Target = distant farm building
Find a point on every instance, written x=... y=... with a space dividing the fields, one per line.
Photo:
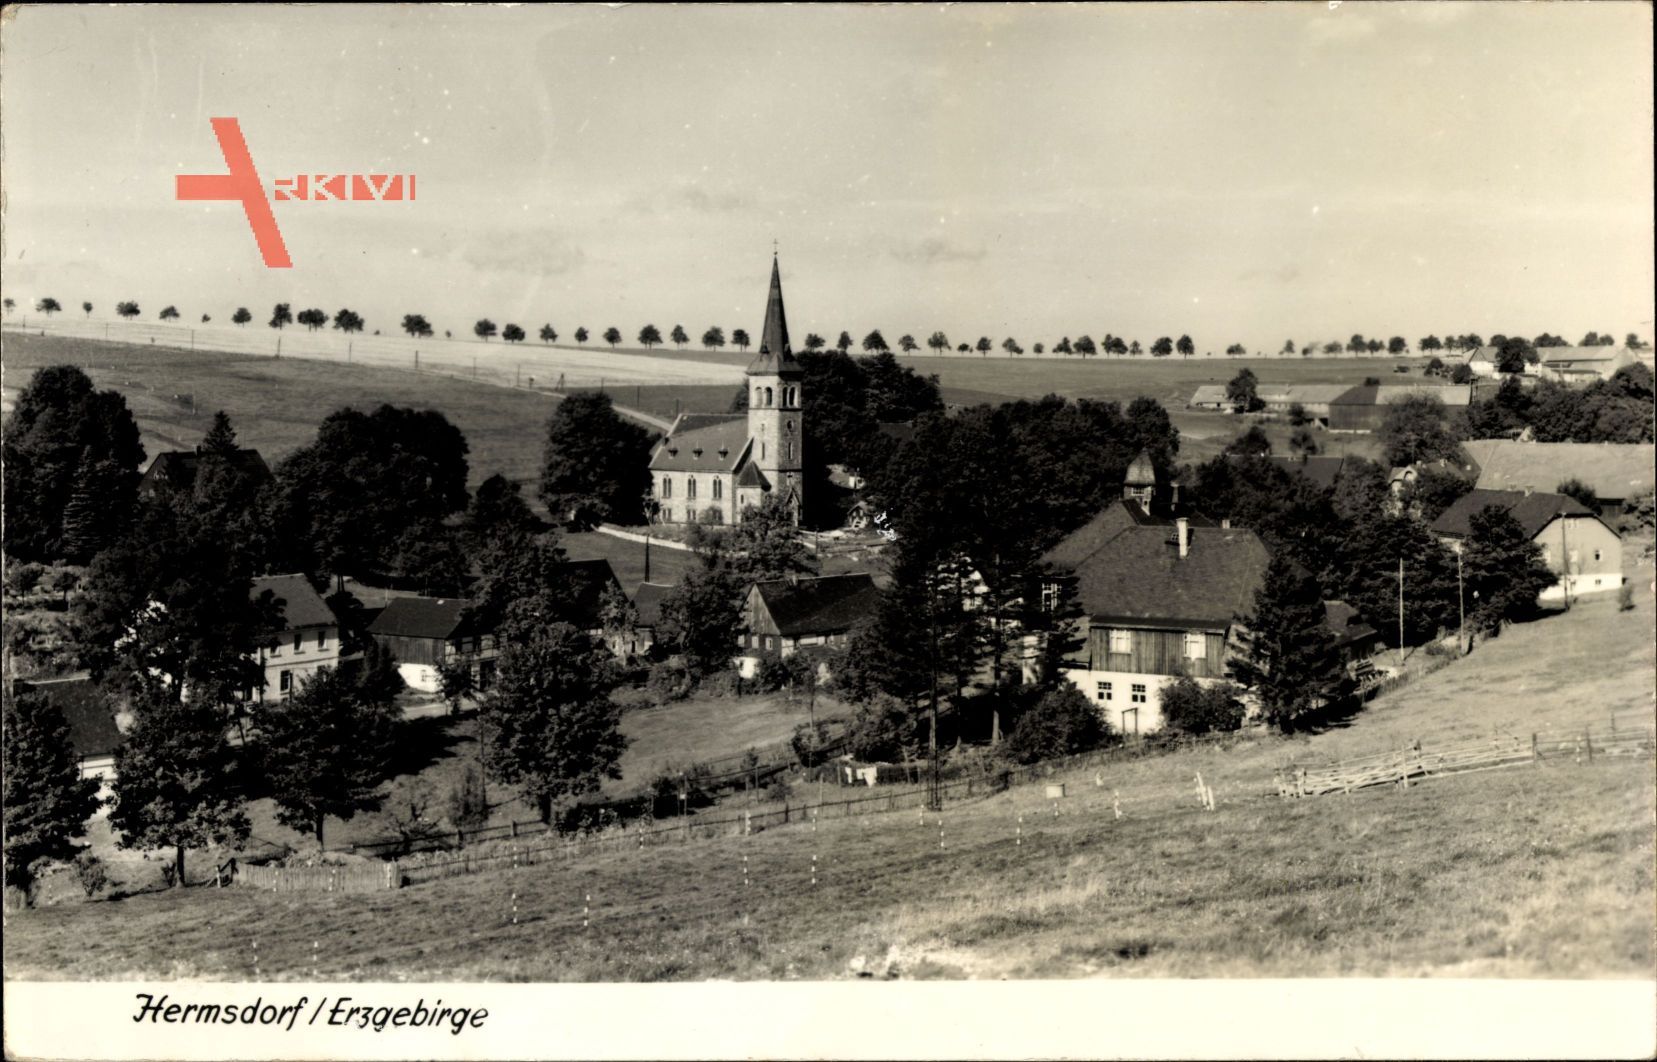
x=174 y=471
x=1364 y=408
x=1615 y=472
x=425 y=632
x=1209 y=396
x=1313 y=398
x=783 y=616
x=1581 y=366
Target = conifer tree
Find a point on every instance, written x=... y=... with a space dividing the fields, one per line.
x=47 y=802
x=220 y=438
x=326 y=749
x=1288 y=660
x=1502 y=569
x=176 y=782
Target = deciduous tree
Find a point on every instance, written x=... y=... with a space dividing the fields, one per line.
x=595 y=465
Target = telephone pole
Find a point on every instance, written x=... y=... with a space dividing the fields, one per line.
x=1400 y=611
x=1461 y=604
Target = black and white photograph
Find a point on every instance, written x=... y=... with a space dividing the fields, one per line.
x=816 y=531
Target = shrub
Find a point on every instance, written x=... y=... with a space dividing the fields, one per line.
x=169 y=873
x=1625 y=598
x=468 y=801
x=23 y=578
x=807 y=743
x=669 y=681
x=693 y=781
x=1062 y=723
x=1192 y=707
x=60 y=579
x=883 y=731
x=90 y=872
x=773 y=674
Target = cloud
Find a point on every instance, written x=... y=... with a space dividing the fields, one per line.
x=692 y=198
x=538 y=252
x=934 y=251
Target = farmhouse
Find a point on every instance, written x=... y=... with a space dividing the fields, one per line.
x=174 y=471
x=1615 y=472
x=424 y=632
x=1576 y=544
x=1209 y=396
x=647 y=616
x=1322 y=471
x=1313 y=398
x=712 y=466
x=1364 y=407
x=590 y=588
x=1481 y=360
x=783 y=616
x=307 y=641
x=1581 y=366
x=94 y=730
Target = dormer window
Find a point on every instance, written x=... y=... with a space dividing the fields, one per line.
x=697 y=452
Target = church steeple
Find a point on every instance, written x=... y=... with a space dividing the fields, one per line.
x=775 y=357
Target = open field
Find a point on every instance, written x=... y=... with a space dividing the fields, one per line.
x=1530 y=872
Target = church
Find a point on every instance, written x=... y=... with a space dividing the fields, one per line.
x=712 y=466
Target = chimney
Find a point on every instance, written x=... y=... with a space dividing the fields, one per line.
x=1184 y=527
x=1529 y=489
x=1225 y=523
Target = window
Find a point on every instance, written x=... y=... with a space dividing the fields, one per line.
x=1104 y=691
x=1049 y=597
x=762 y=451
x=759 y=396
x=285 y=683
x=298 y=641
x=791 y=449
x=486 y=675
x=1598 y=556
x=321 y=639
x=1121 y=641
x=768 y=401
x=1138 y=693
x=690 y=488
x=718 y=488
x=1196 y=645
x=667 y=486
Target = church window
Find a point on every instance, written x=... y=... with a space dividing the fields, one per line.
x=690 y=488
x=759 y=396
x=788 y=426
x=762 y=451
x=768 y=396
x=791 y=450
x=718 y=488
x=667 y=486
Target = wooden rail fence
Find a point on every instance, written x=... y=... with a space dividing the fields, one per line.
x=366 y=877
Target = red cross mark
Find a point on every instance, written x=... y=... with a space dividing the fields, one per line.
x=241 y=183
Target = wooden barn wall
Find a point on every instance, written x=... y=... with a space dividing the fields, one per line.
x=1156 y=653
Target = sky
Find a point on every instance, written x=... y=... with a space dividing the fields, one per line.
x=1242 y=172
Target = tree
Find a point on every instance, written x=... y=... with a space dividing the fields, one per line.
x=1416 y=429
x=1162 y=348
x=1236 y=350
x=416 y=325
x=1435 y=366
x=1430 y=343
x=1582 y=492
x=312 y=318
x=679 y=336
x=47 y=802
x=612 y=336
x=512 y=334
x=713 y=338
x=1063 y=347
x=1251 y=443
x=813 y=341
x=1193 y=707
x=649 y=336
x=1037 y=348
x=48 y=306
x=128 y=310
x=1185 y=347
x=907 y=344
x=739 y=336
x=1288 y=347
x=242 y=316
x=483 y=329
x=874 y=343
x=205 y=318
x=325 y=750
x=1461 y=373
x=938 y=342
x=348 y=321
x=1084 y=346
x=549 y=724
x=1288 y=658
x=1062 y=723
x=86 y=308
x=984 y=345
x=700 y=614
x=1512 y=353
x=549 y=334
x=581 y=336
x=1243 y=392
x=1633 y=342
x=1397 y=345
x=1303 y=442
x=62 y=433
x=281 y=316
x=595 y=465
x=169 y=314
x=497 y=513
x=1503 y=570
x=220 y=438
x=766 y=543
x=1298 y=415
x=1010 y=345
x=10 y=304
x=176 y=779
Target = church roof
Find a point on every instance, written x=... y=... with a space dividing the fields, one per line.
x=703 y=442
x=752 y=477
x=775 y=357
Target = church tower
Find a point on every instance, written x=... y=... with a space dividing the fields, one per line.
x=776 y=428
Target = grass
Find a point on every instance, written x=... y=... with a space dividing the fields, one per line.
x=627 y=558
x=707 y=729
x=1532 y=872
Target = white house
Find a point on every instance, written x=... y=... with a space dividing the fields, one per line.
x=307 y=641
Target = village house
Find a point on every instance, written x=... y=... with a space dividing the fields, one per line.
x=1615 y=472
x=423 y=633
x=1581 y=366
x=1363 y=408
x=712 y=466
x=95 y=725
x=307 y=638
x=1576 y=544
x=1314 y=399
x=647 y=616
x=784 y=616
x=174 y=471
x=1481 y=361
x=1209 y=396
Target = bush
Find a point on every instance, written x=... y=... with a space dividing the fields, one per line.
x=1192 y=707
x=883 y=731
x=60 y=579
x=807 y=743
x=1062 y=723
x=669 y=681
x=90 y=872
x=1625 y=598
x=468 y=801
x=169 y=873
x=23 y=578
x=773 y=674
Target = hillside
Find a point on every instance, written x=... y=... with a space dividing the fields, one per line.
x=1528 y=872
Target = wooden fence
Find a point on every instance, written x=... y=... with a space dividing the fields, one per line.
x=366 y=877
x=1624 y=735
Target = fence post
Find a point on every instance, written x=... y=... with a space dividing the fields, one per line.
x=1588 y=740
x=1535 y=753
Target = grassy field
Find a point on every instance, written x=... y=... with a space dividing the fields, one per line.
x=1531 y=872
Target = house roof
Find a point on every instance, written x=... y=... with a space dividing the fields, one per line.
x=647 y=603
x=1118 y=516
x=775 y=357
x=1314 y=393
x=826 y=604
x=1137 y=578
x=588 y=581
x=1141 y=473
x=1533 y=511
x=420 y=617
x=301 y=606
x=1343 y=620
x=1208 y=393
x=1613 y=470
x=751 y=476
x=1322 y=471
x=177 y=468
x=1379 y=394
x=1568 y=355
x=703 y=442
x=87 y=710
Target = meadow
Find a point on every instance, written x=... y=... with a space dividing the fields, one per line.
x=1539 y=871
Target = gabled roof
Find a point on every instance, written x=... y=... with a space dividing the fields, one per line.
x=1141 y=472
x=1344 y=621
x=1601 y=354
x=1118 y=516
x=421 y=617
x=647 y=602
x=90 y=715
x=1612 y=470
x=1207 y=393
x=1380 y=394
x=1136 y=577
x=176 y=469
x=1533 y=511
x=703 y=442
x=751 y=476
x=775 y=357
x=1291 y=393
x=587 y=582
x=827 y=604
x=302 y=606
x=1322 y=471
